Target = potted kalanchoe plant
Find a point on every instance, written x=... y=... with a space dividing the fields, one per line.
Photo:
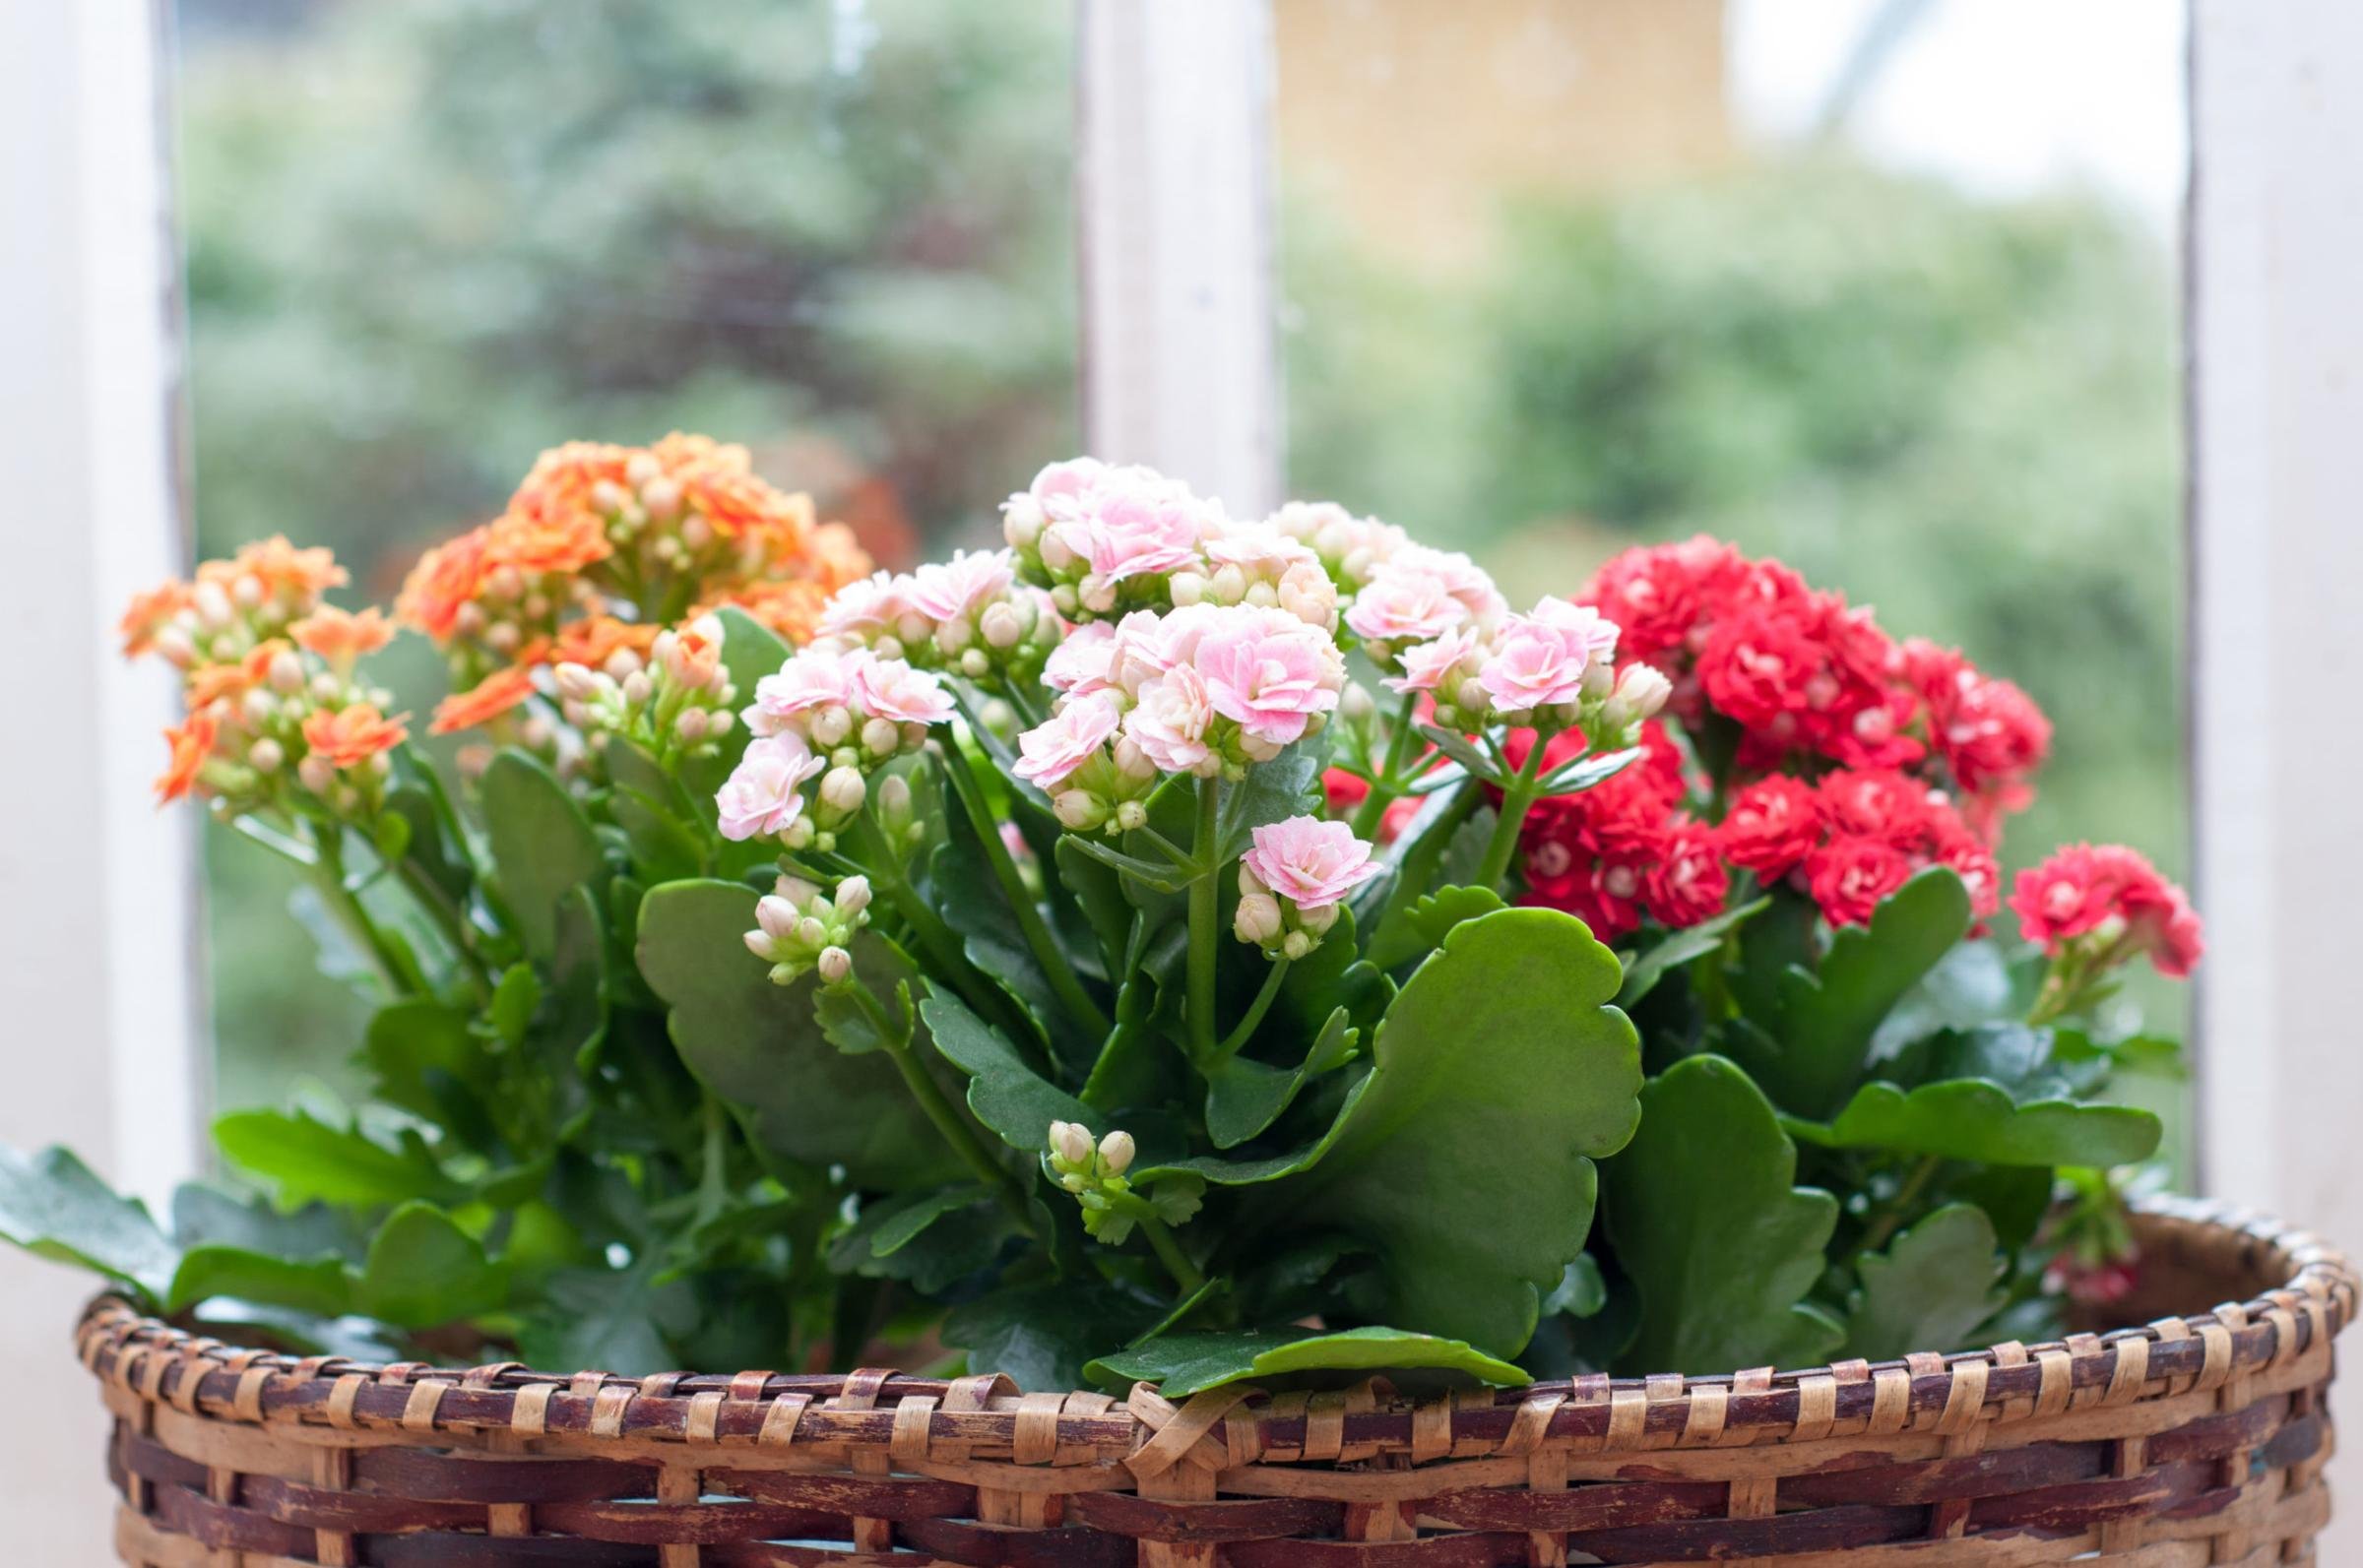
x=1167 y=947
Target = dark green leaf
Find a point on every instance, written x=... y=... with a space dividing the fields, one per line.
x=1005 y=1094
x=1043 y=1334
x=1244 y=1097
x=1932 y=1286
x=1828 y=1018
x=1971 y=1119
x=318 y=1285
x=305 y=1158
x=648 y=806
x=1183 y=1365
x=427 y=1060
x=204 y=1216
x=424 y=1270
x=609 y=1319
x=1099 y=893
x=543 y=845
x=1423 y=922
x=1271 y=791
x=514 y=999
x=1581 y=1291
x=1720 y=1245
x=933 y=1239
x=52 y=1205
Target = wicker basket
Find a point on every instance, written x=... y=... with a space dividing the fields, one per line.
x=2192 y=1440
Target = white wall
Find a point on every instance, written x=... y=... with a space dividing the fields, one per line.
x=2276 y=340
x=96 y=934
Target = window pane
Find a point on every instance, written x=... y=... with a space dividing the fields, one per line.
x=1886 y=287
x=427 y=241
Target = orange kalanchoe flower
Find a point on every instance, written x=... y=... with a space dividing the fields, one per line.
x=147 y=613
x=489 y=699
x=353 y=735
x=789 y=605
x=342 y=638
x=211 y=683
x=561 y=541
x=595 y=639
x=192 y=747
x=284 y=571
x=443 y=584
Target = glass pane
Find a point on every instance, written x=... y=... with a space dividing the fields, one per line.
x=1884 y=288
x=427 y=240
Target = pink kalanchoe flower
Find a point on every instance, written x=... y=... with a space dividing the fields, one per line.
x=1309 y=862
x=1406 y=603
x=888 y=688
x=1462 y=578
x=1540 y=660
x=1269 y=672
x=811 y=680
x=867 y=608
x=1169 y=723
x=959 y=588
x=764 y=793
x=1066 y=481
x=1136 y=523
x=1078 y=665
x=1066 y=740
x=1427 y=666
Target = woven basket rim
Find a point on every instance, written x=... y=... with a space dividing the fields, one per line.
x=895 y=1410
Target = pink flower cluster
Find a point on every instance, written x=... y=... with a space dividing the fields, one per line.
x=827 y=714
x=1625 y=848
x=1809 y=678
x=969 y=614
x=1854 y=838
x=1292 y=880
x=2113 y=896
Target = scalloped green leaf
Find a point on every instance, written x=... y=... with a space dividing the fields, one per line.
x=1829 y=1015
x=320 y=1285
x=1719 y=1242
x=56 y=1206
x=1183 y=1365
x=304 y=1158
x=543 y=845
x=757 y=1045
x=1932 y=1286
x=1977 y=1119
x=1043 y=1335
x=1244 y=1097
x=1465 y=1156
x=424 y=1270
x=1677 y=948
x=1005 y=1094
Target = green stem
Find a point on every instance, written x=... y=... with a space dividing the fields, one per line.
x=1899 y=1208
x=713 y=1188
x=1255 y=1011
x=328 y=871
x=1169 y=1252
x=1516 y=800
x=1388 y=785
x=946 y=954
x=1061 y=975
x=449 y=917
x=896 y=1036
x=1205 y=912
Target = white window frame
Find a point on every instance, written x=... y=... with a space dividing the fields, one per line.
x=1177 y=236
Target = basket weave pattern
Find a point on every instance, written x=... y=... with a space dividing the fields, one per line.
x=2191 y=1441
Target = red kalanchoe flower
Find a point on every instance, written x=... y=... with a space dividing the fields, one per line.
x=2114 y=892
x=1990 y=735
x=1658 y=594
x=1877 y=803
x=1771 y=825
x=1688 y=883
x=1967 y=855
x=1850 y=875
x=1755 y=668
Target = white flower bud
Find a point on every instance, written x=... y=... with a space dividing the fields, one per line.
x=1079 y=810
x=777 y=913
x=579 y=682
x=759 y=944
x=953 y=635
x=621 y=664
x=880 y=737
x=690 y=724
x=1599 y=680
x=1258 y=919
x=316 y=774
x=1021 y=522
x=795 y=890
x=213 y=609
x=835 y=964
x=1063 y=600
x=1055 y=556
x=1353 y=704
x=1116 y=1153
x=894 y=797
x=326 y=687
x=697 y=532
x=636 y=687
x=470 y=622
x=831 y=725
x=1071 y=1140
x=265 y=755
x=1001 y=625
x=842 y=789
x=718 y=723
x=1318 y=920
x=1295 y=945
x=1250 y=882
x=811 y=932
x=661 y=499
x=853 y=895
x=175 y=643
x=257 y=707
x=1131 y=816
x=1187 y=587
x=1642 y=690
x=1096 y=595
x=287 y=671
x=538 y=732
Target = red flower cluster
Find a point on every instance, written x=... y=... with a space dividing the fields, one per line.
x=1808 y=677
x=1622 y=848
x=2110 y=889
x=1855 y=837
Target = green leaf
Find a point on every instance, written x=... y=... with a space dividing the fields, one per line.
x=1424 y=921
x=1976 y=1119
x=1677 y=947
x=1005 y=1094
x=1271 y=791
x=751 y=651
x=514 y=999
x=610 y=1320
x=1719 y=1243
x=424 y=1270
x=1244 y=1097
x=1099 y=893
x=1971 y=986
x=1462 y=750
x=1581 y=1292
x=204 y=1216
x=1465 y=1157
x=1043 y=1335
x=305 y=1158
x=933 y=1239
x=757 y=1045
x=1932 y=1286
x=543 y=845
x=645 y=803
x=974 y=903
x=1183 y=1365
x=56 y=1206
x=1828 y=1018
x=318 y=1285
x=427 y=1060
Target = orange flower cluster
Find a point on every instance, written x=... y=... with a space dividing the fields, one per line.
x=659 y=534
